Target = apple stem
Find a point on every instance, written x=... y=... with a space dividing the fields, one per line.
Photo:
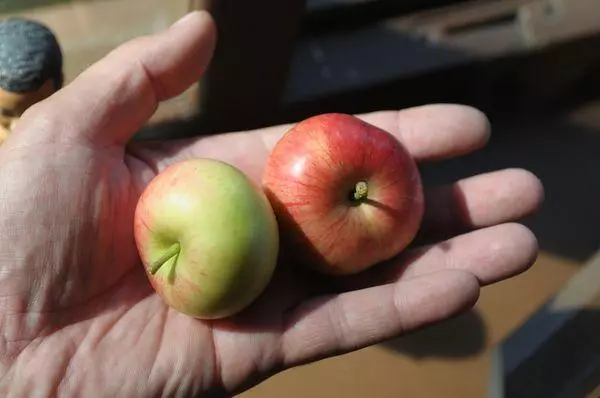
x=171 y=252
x=361 y=191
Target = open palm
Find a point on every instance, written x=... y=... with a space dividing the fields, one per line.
x=77 y=312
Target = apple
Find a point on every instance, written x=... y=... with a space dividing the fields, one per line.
x=347 y=194
x=207 y=236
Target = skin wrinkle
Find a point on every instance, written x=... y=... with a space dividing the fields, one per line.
x=270 y=357
x=158 y=90
x=296 y=324
x=137 y=165
x=339 y=323
x=70 y=277
x=96 y=335
x=118 y=332
x=12 y=347
x=120 y=83
x=63 y=382
x=143 y=156
x=36 y=280
x=164 y=314
x=71 y=251
x=23 y=363
x=73 y=235
x=183 y=378
x=401 y=303
x=147 y=82
x=217 y=367
x=70 y=372
x=35 y=341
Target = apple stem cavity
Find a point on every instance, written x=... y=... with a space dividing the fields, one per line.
x=361 y=190
x=171 y=252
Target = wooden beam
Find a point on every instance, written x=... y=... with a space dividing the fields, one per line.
x=555 y=354
x=245 y=80
x=327 y=16
x=424 y=55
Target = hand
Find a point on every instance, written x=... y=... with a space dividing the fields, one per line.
x=77 y=312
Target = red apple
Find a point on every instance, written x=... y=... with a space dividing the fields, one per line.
x=347 y=195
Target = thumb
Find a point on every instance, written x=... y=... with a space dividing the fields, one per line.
x=112 y=99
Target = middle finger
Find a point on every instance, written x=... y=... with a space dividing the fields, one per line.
x=479 y=201
x=491 y=254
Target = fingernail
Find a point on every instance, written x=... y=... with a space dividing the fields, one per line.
x=184 y=20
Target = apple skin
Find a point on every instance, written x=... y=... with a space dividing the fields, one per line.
x=222 y=227
x=310 y=176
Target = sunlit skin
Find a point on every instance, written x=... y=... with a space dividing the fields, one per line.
x=208 y=238
x=346 y=193
x=78 y=316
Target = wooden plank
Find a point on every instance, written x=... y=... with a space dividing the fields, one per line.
x=535 y=22
x=402 y=47
x=245 y=80
x=473 y=12
x=555 y=353
x=552 y=21
x=342 y=15
x=348 y=61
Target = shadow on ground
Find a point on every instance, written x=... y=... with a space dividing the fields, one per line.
x=462 y=336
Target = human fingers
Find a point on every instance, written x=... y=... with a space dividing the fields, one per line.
x=490 y=254
x=112 y=99
x=430 y=132
x=334 y=324
x=479 y=201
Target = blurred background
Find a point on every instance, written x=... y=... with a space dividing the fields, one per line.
x=532 y=66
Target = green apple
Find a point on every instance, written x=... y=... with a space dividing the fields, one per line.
x=208 y=238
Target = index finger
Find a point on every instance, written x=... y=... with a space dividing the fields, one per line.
x=430 y=132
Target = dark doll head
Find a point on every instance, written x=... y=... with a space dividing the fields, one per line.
x=29 y=56
x=31 y=64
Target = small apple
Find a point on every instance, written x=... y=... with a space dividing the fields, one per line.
x=347 y=194
x=207 y=236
